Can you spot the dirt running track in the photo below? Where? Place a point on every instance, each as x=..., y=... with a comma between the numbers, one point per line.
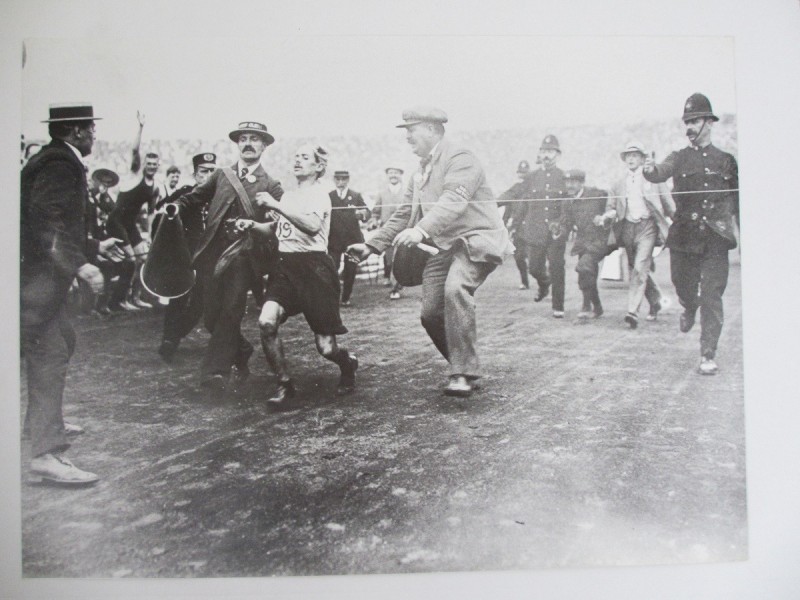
x=589, y=444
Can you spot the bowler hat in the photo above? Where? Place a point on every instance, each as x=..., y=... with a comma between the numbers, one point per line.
x=204, y=159
x=71, y=111
x=105, y=176
x=550, y=142
x=575, y=174
x=251, y=127
x=632, y=147
x=423, y=114
x=697, y=105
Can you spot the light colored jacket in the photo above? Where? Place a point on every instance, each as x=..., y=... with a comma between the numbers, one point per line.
x=656, y=196
x=452, y=202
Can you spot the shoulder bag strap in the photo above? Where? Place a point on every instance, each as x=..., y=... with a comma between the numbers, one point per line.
x=244, y=199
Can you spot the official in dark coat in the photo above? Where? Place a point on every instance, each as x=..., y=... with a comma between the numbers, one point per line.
x=225, y=264
x=507, y=200
x=591, y=238
x=706, y=193
x=183, y=313
x=348, y=210
x=55, y=247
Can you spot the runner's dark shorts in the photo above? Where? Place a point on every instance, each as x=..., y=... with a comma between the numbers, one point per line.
x=307, y=282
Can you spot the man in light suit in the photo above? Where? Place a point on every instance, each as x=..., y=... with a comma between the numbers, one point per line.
x=225, y=266
x=639, y=210
x=448, y=205
x=387, y=200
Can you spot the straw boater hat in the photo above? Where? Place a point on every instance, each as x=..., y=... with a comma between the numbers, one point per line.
x=251, y=127
x=71, y=111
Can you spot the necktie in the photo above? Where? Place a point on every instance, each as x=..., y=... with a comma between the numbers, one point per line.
x=425, y=162
x=244, y=173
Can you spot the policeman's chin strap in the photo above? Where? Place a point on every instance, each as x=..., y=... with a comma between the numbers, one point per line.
x=701, y=129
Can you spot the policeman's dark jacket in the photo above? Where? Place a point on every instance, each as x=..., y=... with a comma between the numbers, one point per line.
x=345, y=228
x=582, y=211
x=54, y=229
x=533, y=219
x=698, y=175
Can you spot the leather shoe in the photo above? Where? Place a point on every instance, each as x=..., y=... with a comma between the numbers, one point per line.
x=283, y=394
x=632, y=320
x=214, y=385
x=598, y=311
x=55, y=468
x=558, y=314
x=72, y=429
x=687, y=321
x=653, y=314
x=239, y=377
x=584, y=314
x=542, y=293
x=707, y=366
x=458, y=386
x=347, y=381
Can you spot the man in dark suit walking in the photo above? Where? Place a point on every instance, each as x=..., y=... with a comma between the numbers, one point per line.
x=55, y=247
x=227, y=264
x=348, y=209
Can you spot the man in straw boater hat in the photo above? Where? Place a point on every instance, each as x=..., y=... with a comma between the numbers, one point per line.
x=227, y=265
x=639, y=210
x=706, y=192
x=449, y=206
x=305, y=279
x=55, y=248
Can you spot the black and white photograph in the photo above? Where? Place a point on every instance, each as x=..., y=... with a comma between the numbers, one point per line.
x=328, y=304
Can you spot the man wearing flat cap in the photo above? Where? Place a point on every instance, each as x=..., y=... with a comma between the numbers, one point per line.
x=447, y=205
x=55, y=248
x=591, y=238
x=640, y=211
x=183, y=313
x=706, y=189
x=117, y=270
x=506, y=200
x=227, y=263
x=387, y=200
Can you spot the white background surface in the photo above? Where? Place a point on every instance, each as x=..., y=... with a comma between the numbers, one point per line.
x=766, y=38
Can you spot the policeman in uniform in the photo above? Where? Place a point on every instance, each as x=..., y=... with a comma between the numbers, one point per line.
x=705, y=188
x=506, y=201
x=544, y=225
x=183, y=313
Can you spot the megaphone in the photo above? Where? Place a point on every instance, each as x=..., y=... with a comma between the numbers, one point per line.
x=168, y=272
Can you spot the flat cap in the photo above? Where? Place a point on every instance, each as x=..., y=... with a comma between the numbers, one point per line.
x=575, y=174
x=423, y=114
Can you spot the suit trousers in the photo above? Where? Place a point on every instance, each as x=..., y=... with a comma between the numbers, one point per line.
x=700, y=281
x=449, y=282
x=521, y=259
x=47, y=349
x=588, y=268
x=348, y=273
x=639, y=239
x=183, y=314
x=552, y=272
x=224, y=304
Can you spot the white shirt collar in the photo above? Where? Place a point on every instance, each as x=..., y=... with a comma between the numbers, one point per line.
x=242, y=165
x=343, y=193
x=76, y=151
